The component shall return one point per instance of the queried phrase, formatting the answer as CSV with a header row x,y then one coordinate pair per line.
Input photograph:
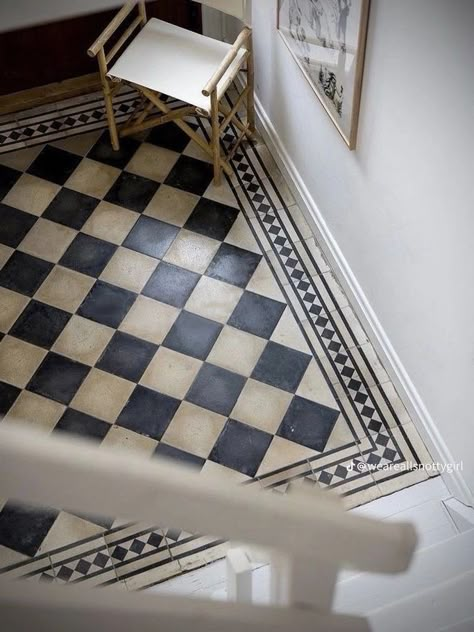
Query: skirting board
x,y
407,390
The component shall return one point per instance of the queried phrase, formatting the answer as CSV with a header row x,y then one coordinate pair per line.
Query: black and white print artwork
x,y
327,38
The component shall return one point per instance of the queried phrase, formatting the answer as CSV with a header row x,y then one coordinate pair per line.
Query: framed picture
x,y
327,39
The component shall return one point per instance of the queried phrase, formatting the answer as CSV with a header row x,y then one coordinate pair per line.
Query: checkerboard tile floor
x,y
142,307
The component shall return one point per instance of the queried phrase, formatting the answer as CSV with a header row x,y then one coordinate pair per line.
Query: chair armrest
x,y
110,29
211,85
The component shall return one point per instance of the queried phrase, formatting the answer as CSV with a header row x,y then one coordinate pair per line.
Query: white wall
x,y
400,207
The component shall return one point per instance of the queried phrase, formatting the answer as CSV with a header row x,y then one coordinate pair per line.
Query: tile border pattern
x,y
148,555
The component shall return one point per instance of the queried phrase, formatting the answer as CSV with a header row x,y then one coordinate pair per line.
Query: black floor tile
x,y
281,367
88,255
107,304
212,219
165,451
308,423
53,164
8,178
104,152
256,314
189,174
40,324
127,356
23,529
169,136
14,225
148,412
241,447
216,389
171,284
192,335
151,237
71,208
233,265
77,423
132,192
23,273
58,378
8,395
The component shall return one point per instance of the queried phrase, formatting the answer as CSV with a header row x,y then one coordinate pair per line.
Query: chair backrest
x,y
238,8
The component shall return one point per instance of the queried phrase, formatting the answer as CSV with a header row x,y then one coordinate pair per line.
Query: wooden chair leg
x,y
109,106
251,86
215,138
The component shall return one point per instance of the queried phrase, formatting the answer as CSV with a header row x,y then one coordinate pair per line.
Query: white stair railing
x,y
311,535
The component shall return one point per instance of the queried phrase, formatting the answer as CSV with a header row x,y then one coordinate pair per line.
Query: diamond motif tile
x,y
171,205
257,314
40,324
281,367
110,222
83,340
8,395
190,175
103,151
192,335
23,529
82,425
70,208
308,423
132,191
18,361
216,389
8,177
261,406
213,299
241,447
171,284
169,136
11,306
212,219
152,162
54,164
14,225
93,178
171,373
58,378
192,251
88,255
148,412
149,320
233,265
236,351
129,269
40,413
65,289
127,356
151,237
102,395
107,304
168,452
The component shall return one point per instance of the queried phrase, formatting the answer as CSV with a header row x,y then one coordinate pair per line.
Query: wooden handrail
x,y
226,62
111,28
65,472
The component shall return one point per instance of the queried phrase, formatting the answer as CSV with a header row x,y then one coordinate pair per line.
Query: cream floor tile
x,y
65,289
31,194
222,194
194,429
110,222
152,162
11,306
192,251
171,372
93,178
20,159
261,406
171,205
47,240
299,219
5,254
9,557
125,439
214,299
282,453
102,395
149,319
237,350
68,529
240,235
314,387
40,413
18,361
341,435
83,340
79,144
215,471
288,333
263,282
193,150
129,269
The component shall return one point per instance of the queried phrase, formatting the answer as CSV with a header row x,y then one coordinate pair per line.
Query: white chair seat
x,y
174,61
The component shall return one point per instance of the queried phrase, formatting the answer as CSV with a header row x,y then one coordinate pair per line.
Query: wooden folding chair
x,y
164,60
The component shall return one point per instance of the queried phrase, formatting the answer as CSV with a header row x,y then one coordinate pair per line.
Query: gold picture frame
x,y
327,39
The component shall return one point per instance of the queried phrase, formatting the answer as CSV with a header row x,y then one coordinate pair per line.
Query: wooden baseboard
x,y
50,93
